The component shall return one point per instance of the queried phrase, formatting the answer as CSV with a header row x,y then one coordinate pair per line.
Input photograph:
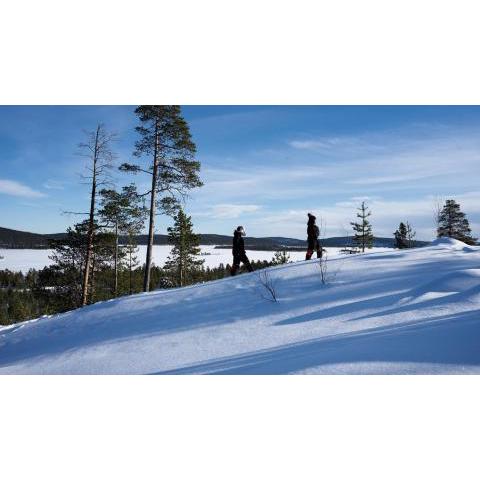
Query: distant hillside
x,y
226,240
18,239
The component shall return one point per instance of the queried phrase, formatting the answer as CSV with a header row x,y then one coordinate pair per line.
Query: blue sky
x,y
263,167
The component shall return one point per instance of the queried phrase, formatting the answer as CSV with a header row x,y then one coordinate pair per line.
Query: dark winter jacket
x,y
312,230
238,244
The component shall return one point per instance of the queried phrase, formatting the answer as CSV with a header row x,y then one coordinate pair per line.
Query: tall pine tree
x,y
363,237
183,259
453,223
124,213
164,138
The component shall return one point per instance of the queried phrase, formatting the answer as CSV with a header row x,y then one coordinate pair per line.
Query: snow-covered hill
x,y
411,311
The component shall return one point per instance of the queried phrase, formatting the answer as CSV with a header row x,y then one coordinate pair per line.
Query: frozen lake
x,y
24,259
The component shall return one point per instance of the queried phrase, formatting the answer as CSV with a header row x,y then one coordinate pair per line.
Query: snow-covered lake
x,y
24,259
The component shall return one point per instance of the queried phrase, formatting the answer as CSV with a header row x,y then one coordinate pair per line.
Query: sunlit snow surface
x,y
411,311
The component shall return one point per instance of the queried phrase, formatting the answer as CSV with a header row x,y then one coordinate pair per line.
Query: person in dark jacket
x,y
238,250
313,232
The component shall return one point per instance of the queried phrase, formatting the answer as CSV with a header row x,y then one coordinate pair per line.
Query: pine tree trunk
x,y
88,258
148,262
364,238
130,272
115,288
181,273
92,283
181,256
363,228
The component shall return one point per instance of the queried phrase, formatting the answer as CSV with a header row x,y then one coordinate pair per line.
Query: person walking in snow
x,y
238,250
313,232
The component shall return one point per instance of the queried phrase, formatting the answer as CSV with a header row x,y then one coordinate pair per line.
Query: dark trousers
x,y
313,246
240,258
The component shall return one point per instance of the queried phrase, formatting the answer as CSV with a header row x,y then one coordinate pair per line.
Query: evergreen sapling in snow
x,y
401,236
363,237
280,257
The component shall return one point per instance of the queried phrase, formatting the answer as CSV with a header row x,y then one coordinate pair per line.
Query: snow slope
x,y
411,311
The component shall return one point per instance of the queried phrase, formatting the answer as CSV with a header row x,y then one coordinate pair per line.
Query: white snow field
x,y
24,259
398,312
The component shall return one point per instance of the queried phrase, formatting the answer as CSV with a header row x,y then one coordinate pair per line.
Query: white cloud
x,y
229,210
16,189
359,144
384,163
388,179
328,143
229,185
54,185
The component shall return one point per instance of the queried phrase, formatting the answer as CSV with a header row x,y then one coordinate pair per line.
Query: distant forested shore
x,y
15,239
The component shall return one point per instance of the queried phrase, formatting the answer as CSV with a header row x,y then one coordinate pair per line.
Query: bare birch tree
x,y
98,152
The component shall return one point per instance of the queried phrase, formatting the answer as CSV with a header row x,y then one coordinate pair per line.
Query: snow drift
x,y
408,311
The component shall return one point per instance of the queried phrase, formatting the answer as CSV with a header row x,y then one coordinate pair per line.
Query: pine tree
x,y
68,257
183,259
401,236
453,223
165,138
131,250
280,257
69,262
363,237
124,213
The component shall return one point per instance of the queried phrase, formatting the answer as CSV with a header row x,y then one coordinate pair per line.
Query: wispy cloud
x,y
331,143
17,189
390,179
232,210
227,211
54,185
265,182
374,163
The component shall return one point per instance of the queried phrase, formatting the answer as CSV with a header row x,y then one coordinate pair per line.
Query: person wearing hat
x,y
238,250
313,232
